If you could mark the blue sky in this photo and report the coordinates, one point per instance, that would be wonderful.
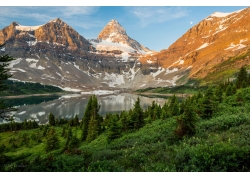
(155, 27)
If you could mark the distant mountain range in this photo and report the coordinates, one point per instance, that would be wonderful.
(55, 54)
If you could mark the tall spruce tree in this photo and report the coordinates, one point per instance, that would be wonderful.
(52, 141)
(114, 130)
(86, 119)
(187, 121)
(137, 115)
(52, 120)
(209, 103)
(4, 75)
(92, 130)
(242, 78)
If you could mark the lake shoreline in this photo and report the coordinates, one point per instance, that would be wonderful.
(30, 95)
(160, 94)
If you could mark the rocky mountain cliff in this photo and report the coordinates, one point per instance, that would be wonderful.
(206, 47)
(55, 54)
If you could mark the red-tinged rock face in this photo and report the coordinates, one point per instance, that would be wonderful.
(210, 42)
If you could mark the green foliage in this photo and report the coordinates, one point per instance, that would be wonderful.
(4, 75)
(114, 129)
(14, 88)
(242, 78)
(51, 118)
(209, 103)
(137, 115)
(92, 130)
(52, 142)
(86, 119)
(187, 121)
(210, 132)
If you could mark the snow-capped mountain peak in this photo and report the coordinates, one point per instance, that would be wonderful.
(113, 38)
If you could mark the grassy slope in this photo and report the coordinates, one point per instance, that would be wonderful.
(221, 143)
(226, 69)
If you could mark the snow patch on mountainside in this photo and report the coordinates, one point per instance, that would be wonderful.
(219, 14)
(107, 45)
(13, 63)
(27, 28)
(31, 43)
(160, 70)
(203, 46)
(17, 69)
(235, 47)
(113, 79)
(150, 62)
(171, 71)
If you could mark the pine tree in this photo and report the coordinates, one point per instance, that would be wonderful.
(63, 132)
(92, 130)
(219, 94)
(175, 109)
(229, 90)
(69, 137)
(137, 115)
(76, 121)
(52, 141)
(4, 63)
(186, 123)
(114, 130)
(174, 106)
(165, 111)
(209, 103)
(86, 119)
(73, 143)
(52, 121)
(124, 119)
(242, 78)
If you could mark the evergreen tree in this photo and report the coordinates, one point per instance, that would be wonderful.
(4, 63)
(45, 130)
(125, 121)
(175, 109)
(174, 106)
(242, 78)
(63, 132)
(219, 94)
(52, 121)
(52, 141)
(165, 111)
(186, 123)
(229, 90)
(69, 137)
(73, 143)
(25, 124)
(209, 103)
(76, 121)
(86, 119)
(114, 130)
(92, 130)
(137, 115)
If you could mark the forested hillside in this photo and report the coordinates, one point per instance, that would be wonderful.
(208, 131)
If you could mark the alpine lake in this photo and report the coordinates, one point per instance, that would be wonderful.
(67, 106)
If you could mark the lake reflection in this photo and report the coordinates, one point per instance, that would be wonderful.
(68, 106)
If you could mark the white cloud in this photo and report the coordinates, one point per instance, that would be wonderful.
(148, 15)
(78, 10)
(191, 22)
(45, 14)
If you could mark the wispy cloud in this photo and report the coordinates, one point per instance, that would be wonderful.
(78, 10)
(155, 14)
(44, 14)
